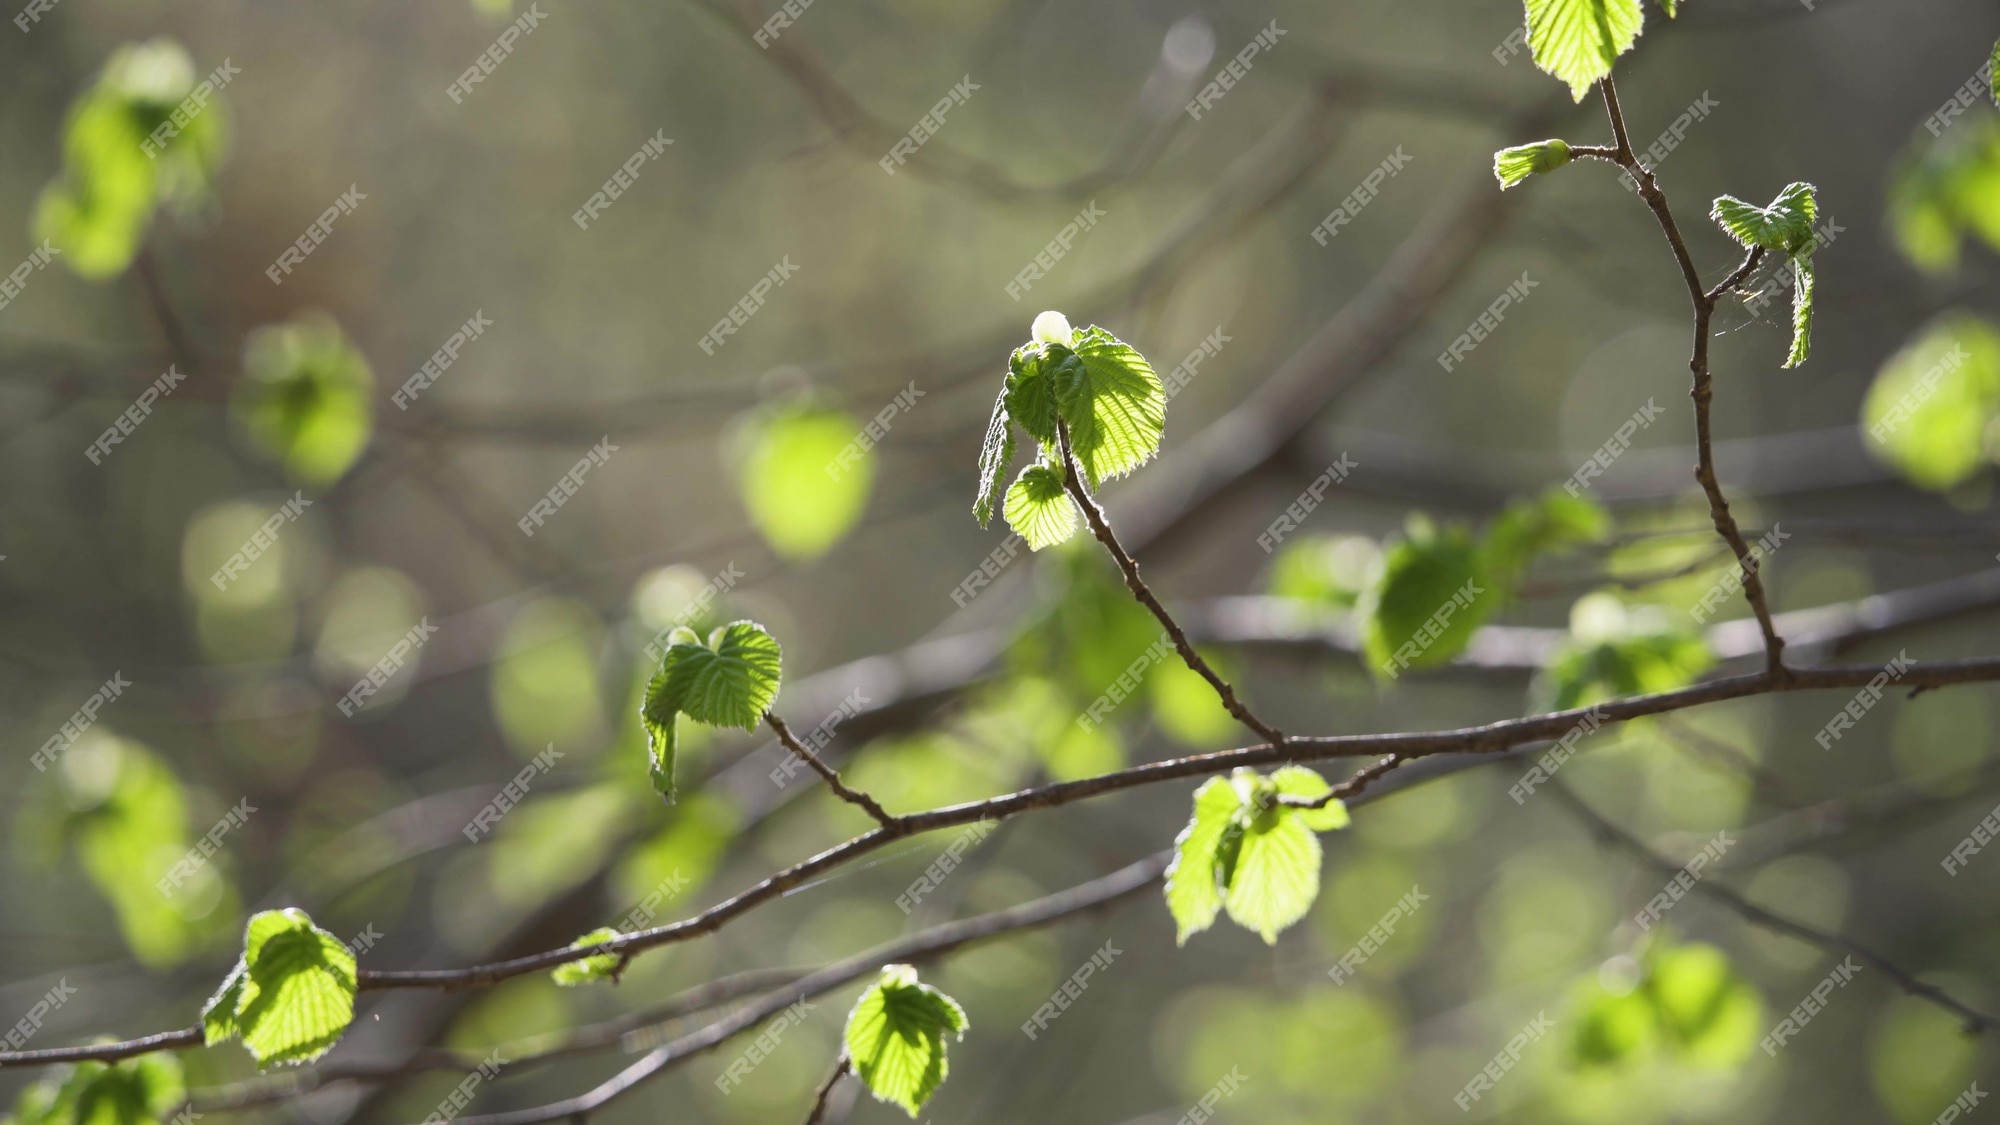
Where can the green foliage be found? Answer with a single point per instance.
(1689, 1004)
(1328, 570)
(1513, 165)
(139, 1091)
(97, 211)
(1578, 40)
(1932, 409)
(305, 398)
(1948, 191)
(1039, 508)
(728, 682)
(1613, 654)
(290, 996)
(1088, 380)
(802, 484)
(1785, 227)
(602, 966)
(1549, 524)
(1244, 852)
(896, 1037)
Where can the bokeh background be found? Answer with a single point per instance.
(900, 284)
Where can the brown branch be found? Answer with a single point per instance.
(1073, 481)
(820, 1099)
(840, 788)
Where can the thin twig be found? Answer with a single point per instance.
(1100, 527)
(820, 1099)
(832, 776)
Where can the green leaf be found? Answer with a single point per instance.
(1113, 402)
(896, 1038)
(1276, 875)
(1708, 1013)
(1947, 191)
(1040, 509)
(1194, 897)
(1030, 394)
(1803, 278)
(291, 996)
(1612, 1028)
(730, 681)
(996, 453)
(305, 398)
(1431, 596)
(1785, 227)
(1671, 7)
(1550, 523)
(597, 967)
(1933, 404)
(805, 478)
(1578, 40)
(1655, 657)
(1330, 570)
(1512, 165)
(1298, 781)
(138, 1091)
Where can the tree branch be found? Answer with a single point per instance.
(840, 788)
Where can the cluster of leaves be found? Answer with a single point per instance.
(1246, 851)
(1086, 383)
(142, 1090)
(729, 681)
(1687, 1004)
(1785, 227)
(290, 996)
(98, 209)
(305, 398)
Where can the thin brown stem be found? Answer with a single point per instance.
(1100, 527)
(825, 1093)
(840, 788)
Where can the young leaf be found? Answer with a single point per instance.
(1948, 191)
(1193, 897)
(597, 967)
(1030, 393)
(1039, 508)
(805, 478)
(1431, 595)
(1113, 402)
(1276, 876)
(139, 1091)
(996, 453)
(1513, 165)
(292, 994)
(729, 681)
(1671, 7)
(1578, 40)
(1930, 407)
(1803, 278)
(896, 1038)
(1052, 327)
(1298, 781)
(1785, 227)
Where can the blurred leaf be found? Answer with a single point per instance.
(1710, 1015)
(1548, 524)
(1612, 1028)
(291, 996)
(1932, 406)
(1513, 165)
(1186, 706)
(896, 1038)
(139, 1091)
(1947, 191)
(544, 686)
(804, 487)
(1578, 40)
(1431, 596)
(730, 681)
(594, 968)
(1039, 509)
(304, 398)
(1649, 652)
(1330, 570)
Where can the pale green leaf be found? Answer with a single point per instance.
(1946, 191)
(1030, 394)
(597, 967)
(1513, 165)
(896, 1038)
(1194, 896)
(138, 1091)
(1803, 278)
(305, 398)
(1039, 508)
(218, 1015)
(1933, 404)
(1578, 40)
(805, 477)
(1706, 1011)
(1276, 876)
(1113, 402)
(996, 453)
(730, 681)
(296, 994)
(1298, 781)
(1785, 227)
(661, 720)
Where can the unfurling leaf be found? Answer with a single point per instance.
(730, 681)
(1513, 165)
(292, 994)
(1785, 227)
(896, 1038)
(1578, 40)
(1039, 508)
(599, 966)
(996, 453)
(1245, 852)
